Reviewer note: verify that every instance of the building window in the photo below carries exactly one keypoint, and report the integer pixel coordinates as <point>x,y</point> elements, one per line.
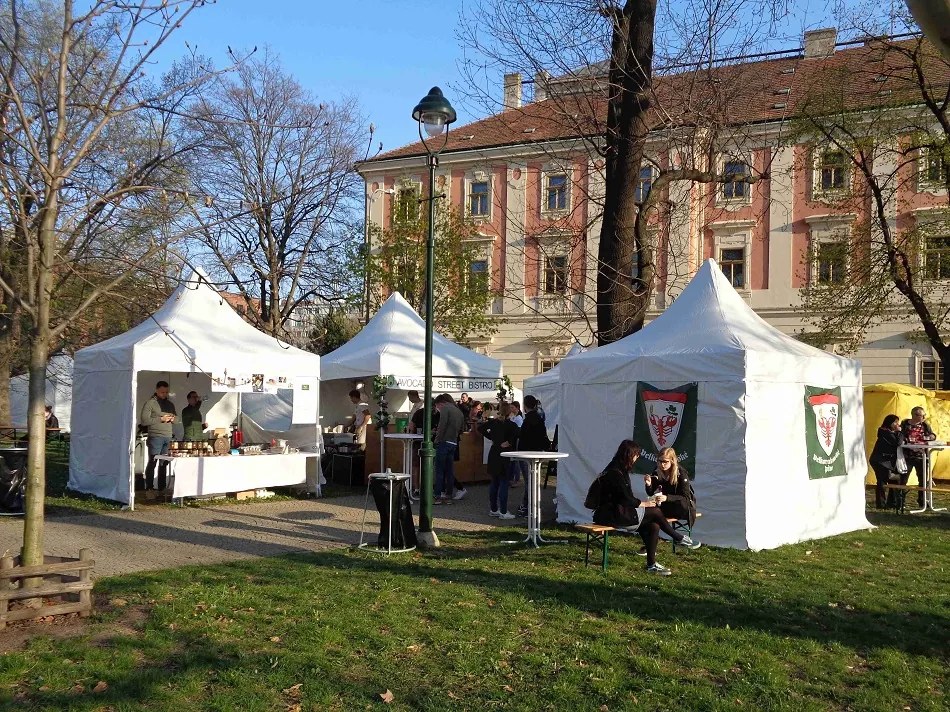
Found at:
<point>547,364</point>
<point>737,188</point>
<point>477,282</point>
<point>937,257</point>
<point>934,169</point>
<point>556,192</point>
<point>478,199</point>
<point>644,184</point>
<point>930,375</point>
<point>831,172</point>
<point>832,260</point>
<point>554,277</point>
<point>406,203</point>
<point>732,262</point>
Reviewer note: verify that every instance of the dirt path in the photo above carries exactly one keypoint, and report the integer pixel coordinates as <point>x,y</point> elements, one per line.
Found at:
<point>162,537</point>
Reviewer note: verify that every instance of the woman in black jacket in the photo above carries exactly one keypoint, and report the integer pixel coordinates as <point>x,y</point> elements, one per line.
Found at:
<point>618,507</point>
<point>883,458</point>
<point>503,434</point>
<point>673,481</point>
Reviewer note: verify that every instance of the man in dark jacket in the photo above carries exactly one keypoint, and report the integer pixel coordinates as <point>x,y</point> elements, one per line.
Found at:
<point>446,440</point>
<point>916,430</point>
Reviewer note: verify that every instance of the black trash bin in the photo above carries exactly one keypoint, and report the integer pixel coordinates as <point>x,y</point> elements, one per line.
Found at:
<point>397,529</point>
<point>12,480</point>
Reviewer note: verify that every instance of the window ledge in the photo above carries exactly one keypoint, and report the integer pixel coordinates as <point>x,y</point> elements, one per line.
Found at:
<point>557,303</point>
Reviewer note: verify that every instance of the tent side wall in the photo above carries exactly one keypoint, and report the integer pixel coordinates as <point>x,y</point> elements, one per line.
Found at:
<point>103,430</point>
<point>721,470</point>
<point>548,391</point>
<point>783,505</point>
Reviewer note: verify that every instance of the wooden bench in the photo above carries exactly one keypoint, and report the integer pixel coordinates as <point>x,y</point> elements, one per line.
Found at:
<point>682,525</point>
<point>902,490</point>
<point>597,533</point>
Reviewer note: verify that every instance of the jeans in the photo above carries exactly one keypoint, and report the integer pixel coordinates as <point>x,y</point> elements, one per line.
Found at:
<point>157,445</point>
<point>498,493</point>
<point>444,468</point>
<point>916,465</point>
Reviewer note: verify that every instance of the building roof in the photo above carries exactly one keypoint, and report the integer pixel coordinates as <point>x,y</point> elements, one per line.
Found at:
<point>728,94</point>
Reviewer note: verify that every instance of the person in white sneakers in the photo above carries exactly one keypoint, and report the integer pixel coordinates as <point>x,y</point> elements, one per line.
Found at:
<point>503,435</point>
<point>451,424</point>
<point>615,505</point>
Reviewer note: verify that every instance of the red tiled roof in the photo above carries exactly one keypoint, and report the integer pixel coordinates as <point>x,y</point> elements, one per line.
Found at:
<point>736,94</point>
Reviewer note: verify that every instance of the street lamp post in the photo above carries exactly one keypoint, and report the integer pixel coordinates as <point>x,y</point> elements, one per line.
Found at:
<point>433,114</point>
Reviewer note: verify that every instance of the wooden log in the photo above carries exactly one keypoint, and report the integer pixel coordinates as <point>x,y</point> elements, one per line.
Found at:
<point>25,614</point>
<point>47,590</point>
<point>85,594</point>
<point>46,569</point>
<point>6,563</point>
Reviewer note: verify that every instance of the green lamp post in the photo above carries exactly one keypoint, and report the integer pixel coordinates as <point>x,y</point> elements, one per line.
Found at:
<point>433,114</point>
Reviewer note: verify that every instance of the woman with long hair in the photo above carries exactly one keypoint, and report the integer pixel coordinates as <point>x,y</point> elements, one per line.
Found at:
<point>672,481</point>
<point>503,435</point>
<point>618,507</point>
<point>883,458</point>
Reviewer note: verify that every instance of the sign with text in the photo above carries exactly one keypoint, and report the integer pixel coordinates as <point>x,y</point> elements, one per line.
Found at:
<point>442,384</point>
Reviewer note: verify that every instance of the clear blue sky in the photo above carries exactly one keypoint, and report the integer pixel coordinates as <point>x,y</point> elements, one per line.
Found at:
<point>386,53</point>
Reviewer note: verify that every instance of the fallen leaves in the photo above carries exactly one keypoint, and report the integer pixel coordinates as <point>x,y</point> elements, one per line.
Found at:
<point>387,697</point>
<point>101,686</point>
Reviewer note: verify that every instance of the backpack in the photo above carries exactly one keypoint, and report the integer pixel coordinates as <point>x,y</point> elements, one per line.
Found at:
<point>592,500</point>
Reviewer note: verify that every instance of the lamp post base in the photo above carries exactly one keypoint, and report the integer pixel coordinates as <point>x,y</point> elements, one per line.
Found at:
<point>427,540</point>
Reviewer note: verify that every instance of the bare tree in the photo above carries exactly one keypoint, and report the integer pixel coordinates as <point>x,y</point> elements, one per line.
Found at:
<point>282,164</point>
<point>884,158</point>
<point>91,167</point>
<point>598,65</point>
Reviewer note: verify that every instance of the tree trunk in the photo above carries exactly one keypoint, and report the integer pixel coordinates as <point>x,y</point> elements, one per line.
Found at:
<point>5,371</point>
<point>621,301</point>
<point>34,520</point>
<point>943,354</point>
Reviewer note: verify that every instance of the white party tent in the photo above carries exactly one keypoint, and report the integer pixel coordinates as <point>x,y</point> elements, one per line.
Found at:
<point>195,334</point>
<point>546,387</point>
<point>59,392</point>
<point>751,468</point>
<point>393,344</point>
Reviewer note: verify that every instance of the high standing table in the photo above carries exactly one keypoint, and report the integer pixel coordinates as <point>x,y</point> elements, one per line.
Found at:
<point>535,458</point>
<point>397,481</point>
<point>407,439</point>
<point>925,449</point>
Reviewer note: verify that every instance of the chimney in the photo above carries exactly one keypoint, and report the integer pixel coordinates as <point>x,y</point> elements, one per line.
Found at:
<point>513,91</point>
<point>541,85</point>
<point>820,43</point>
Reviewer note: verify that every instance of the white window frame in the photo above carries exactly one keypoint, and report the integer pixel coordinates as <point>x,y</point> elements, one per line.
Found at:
<point>926,360</point>
<point>485,246</point>
<point>827,229</point>
<point>930,222</point>
<point>721,198</point>
<point>640,180</point>
<point>546,174</point>
<point>404,184</point>
<point>924,183</point>
<point>470,181</point>
<point>735,234</point>
<point>817,191</point>
<point>554,244</point>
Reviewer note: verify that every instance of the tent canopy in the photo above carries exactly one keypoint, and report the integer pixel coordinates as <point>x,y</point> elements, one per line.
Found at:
<point>546,387</point>
<point>751,461</point>
<point>59,392</point>
<point>393,342</point>
<point>194,334</point>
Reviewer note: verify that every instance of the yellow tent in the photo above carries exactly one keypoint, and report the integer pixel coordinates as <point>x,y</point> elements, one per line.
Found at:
<point>882,399</point>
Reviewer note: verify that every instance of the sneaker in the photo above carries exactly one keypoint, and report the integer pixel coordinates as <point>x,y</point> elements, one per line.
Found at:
<point>459,494</point>
<point>659,570</point>
<point>642,551</point>
<point>689,543</point>
<point>493,512</point>
<point>506,515</point>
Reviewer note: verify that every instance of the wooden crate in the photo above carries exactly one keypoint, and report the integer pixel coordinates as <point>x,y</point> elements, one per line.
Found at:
<point>65,580</point>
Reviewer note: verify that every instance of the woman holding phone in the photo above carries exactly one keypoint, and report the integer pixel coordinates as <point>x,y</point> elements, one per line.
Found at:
<point>671,482</point>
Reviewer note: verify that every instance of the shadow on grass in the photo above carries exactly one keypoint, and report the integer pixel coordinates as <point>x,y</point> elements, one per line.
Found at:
<point>143,684</point>
<point>939,521</point>
<point>908,631</point>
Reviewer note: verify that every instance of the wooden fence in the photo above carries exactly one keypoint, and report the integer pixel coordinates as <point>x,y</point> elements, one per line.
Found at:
<point>65,586</point>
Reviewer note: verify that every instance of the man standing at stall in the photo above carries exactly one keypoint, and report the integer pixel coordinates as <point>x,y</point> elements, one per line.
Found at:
<point>191,418</point>
<point>451,425</point>
<point>361,418</point>
<point>159,416</point>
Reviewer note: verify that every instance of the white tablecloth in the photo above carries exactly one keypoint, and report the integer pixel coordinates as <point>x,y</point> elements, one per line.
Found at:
<point>196,476</point>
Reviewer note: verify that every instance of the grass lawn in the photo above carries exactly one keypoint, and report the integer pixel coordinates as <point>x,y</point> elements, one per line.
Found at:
<point>856,622</point>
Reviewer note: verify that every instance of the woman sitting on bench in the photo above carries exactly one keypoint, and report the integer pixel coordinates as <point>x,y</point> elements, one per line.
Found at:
<point>672,481</point>
<point>618,507</point>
